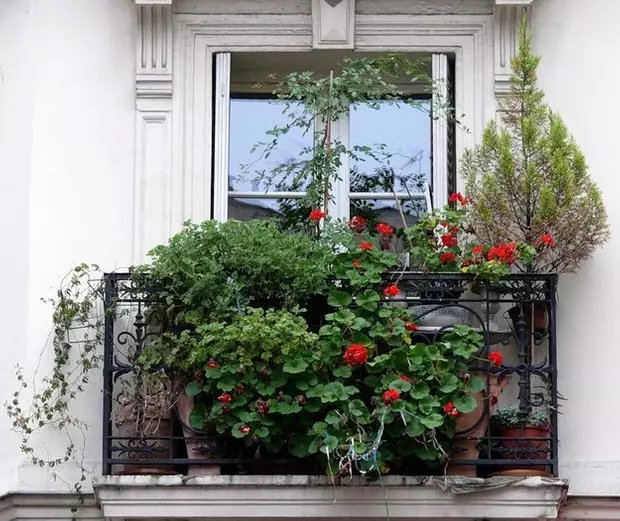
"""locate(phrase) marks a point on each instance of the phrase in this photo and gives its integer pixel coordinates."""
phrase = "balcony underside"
(262, 498)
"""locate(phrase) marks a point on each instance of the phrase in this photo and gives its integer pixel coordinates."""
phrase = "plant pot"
(199, 445)
(540, 319)
(489, 308)
(471, 427)
(524, 450)
(144, 450)
(442, 313)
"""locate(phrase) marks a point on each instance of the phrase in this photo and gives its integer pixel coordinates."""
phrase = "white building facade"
(111, 137)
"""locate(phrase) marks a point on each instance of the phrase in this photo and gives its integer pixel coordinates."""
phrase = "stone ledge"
(317, 497)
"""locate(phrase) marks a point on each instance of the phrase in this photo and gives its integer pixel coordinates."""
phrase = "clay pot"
(540, 320)
(523, 450)
(199, 445)
(471, 427)
(144, 450)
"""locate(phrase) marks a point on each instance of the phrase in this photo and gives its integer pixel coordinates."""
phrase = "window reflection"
(290, 213)
(403, 163)
(249, 121)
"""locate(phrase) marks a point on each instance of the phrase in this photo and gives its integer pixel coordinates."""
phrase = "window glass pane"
(404, 130)
(291, 213)
(250, 119)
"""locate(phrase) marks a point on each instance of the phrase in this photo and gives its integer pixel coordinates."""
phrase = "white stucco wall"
(579, 43)
(66, 180)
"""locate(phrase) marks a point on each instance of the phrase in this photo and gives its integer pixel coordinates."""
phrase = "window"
(418, 142)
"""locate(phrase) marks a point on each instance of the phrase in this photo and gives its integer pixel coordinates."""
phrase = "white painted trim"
(153, 2)
(221, 136)
(333, 24)
(507, 21)
(440, 130)
(514, 2)
(339, 206)
(198, 36)
(48, 507)
(267, 498)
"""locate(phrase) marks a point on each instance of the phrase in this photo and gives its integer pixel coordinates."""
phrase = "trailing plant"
(75, 339)
(311, 104)
(511, 416)
(529, 179)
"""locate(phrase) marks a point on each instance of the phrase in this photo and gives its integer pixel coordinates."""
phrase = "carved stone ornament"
(333, 3)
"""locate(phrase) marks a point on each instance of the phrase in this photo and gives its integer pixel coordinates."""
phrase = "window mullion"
(339, 204)
(440, 112)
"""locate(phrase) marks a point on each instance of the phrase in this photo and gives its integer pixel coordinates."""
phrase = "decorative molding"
(507, 20)
(48, 507)
(333, 24)
(514, 2)
(268, 498)
(153, 182)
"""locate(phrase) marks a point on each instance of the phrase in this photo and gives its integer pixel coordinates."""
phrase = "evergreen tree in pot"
(530, 182)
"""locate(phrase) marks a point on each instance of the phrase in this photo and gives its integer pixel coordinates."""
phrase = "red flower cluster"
(245, 429)
(410, 326)
(391, 291)
(366, 246)
(385, 229)
(357, 264)
(212, 364)
(225, 398)
(496, 358)
(505, 253)
(467, 262)
(450, 410)
(477, 250)
(405, 378)
(317, 215)
(447, 257)
(449, 240)
(547, 240)
(262, 407)
(356, 354)
(459, 198)
(358, 224)
(390, 396)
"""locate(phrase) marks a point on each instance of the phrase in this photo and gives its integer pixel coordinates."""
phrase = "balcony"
(510, 438)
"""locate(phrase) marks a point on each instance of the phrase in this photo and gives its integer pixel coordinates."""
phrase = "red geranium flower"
(467, 262)
(365, 246)
(477, 250)
(447, 257)
(548, 240)
(390, 396)
(357, 264)
(317, 215)
(457, 198)
(358, 224)
(410, 326)
(405, 378)
(450, 410)
(245, 429)
(505, 253)
(453, 229)
(225, 398)
(449, 240)
(356, 354)
(496, 358)
(212, 364)
(385, 229)
(391, 291)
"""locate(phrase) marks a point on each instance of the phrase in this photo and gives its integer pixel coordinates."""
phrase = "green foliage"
(529, 178)
(510, 416)
(209, 271)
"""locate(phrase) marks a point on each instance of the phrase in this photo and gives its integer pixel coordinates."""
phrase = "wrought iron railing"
(516, 316)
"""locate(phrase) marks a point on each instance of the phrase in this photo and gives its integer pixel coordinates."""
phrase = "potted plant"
(529, 183)
(523, 437)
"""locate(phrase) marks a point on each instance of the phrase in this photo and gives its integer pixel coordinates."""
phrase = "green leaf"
(414, 427)
(400, 385)
(193, 388)
(419, 390)
(344, 371)
(339, 299)
(285, 408)
(477, 384)
(295, 366)
(368, 299)
(330, 443)
(197, 417)
(333, 418)
(227, 383)
(432, 421)
(319, 428)
(449, 383)
(466, 404)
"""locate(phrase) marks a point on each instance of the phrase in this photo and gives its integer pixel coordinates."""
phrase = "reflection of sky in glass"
(405, 130)
(250, 119)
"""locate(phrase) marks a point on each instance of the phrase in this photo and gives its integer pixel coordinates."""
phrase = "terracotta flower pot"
(540, 319)
(199, 445)
(524, 450)
(471, 427)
